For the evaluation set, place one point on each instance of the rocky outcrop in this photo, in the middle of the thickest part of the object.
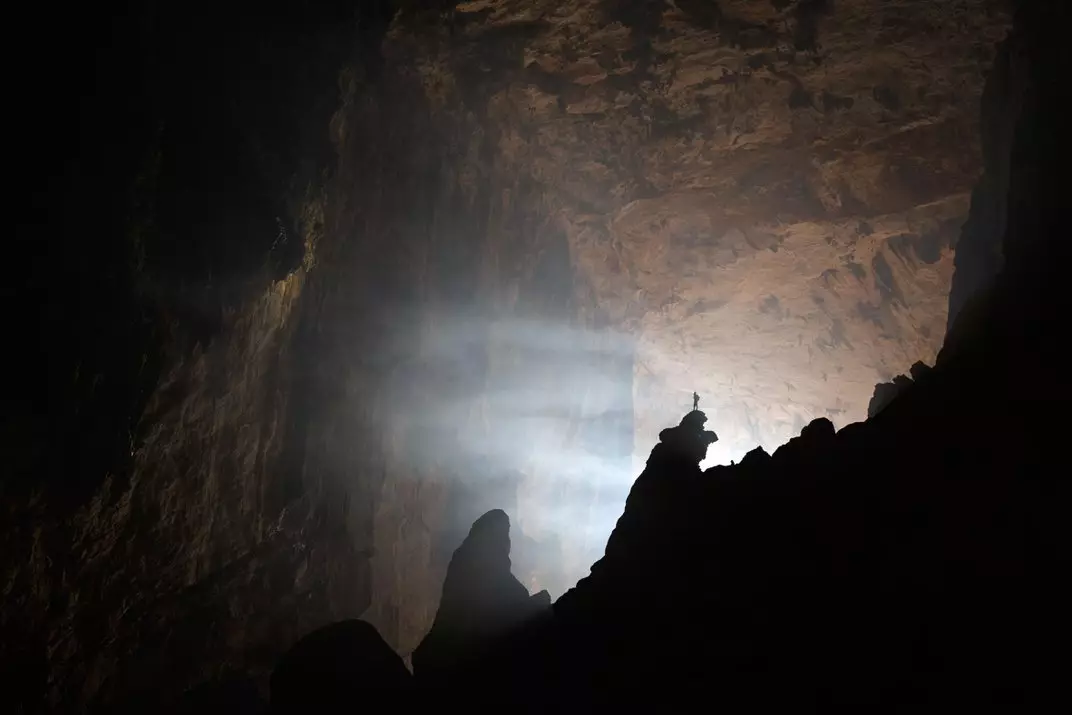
(886, 392)
(482, 600)
(335, 668)
(153, 532)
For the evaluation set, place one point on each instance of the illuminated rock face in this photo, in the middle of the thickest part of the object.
(766, 194)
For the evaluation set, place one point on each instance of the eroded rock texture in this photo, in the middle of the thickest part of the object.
(765, 193)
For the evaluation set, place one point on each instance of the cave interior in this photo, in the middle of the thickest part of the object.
(360, 321)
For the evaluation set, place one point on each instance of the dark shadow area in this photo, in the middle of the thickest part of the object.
(236, 696)
(335, 668)
(162, 153)
(23, 670)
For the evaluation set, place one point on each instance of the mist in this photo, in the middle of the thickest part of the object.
(553, 420)
(550, 433)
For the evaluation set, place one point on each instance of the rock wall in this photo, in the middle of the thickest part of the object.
(152, 531)
(198, 562)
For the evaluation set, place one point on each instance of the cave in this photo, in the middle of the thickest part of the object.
(319, 287)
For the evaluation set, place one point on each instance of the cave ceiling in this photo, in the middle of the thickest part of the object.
(766, 193)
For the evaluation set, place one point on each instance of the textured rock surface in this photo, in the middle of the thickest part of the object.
(765, 193)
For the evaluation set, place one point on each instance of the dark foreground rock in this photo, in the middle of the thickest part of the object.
(481, 600)
(334, 669)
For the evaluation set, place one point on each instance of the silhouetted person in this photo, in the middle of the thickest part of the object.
(481, 600)
(339, 668)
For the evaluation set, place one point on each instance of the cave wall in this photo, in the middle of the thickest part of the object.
(979, 255)
(765, 195)
(152, 535)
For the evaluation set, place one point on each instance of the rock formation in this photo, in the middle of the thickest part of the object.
(335, 668)
(885, 392)
(481, 601)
